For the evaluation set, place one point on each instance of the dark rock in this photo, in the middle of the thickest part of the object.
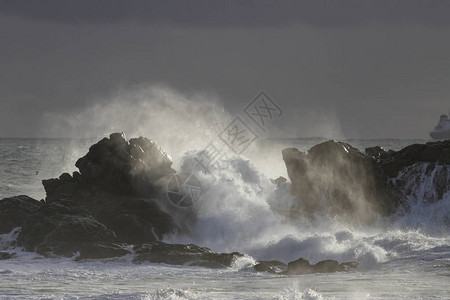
(302, 266)
(15, 211)
(272, 266)
(181, 254)
(138, 167)
(120, 184)
(336, 177)
(377, 152)
(430, 152)
(135, 220)
(424, 182)
(328, 266)
(444, 158)
(299, 267)
(55, 230)
(6, 255)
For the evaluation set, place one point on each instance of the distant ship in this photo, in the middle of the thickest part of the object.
(442, 129)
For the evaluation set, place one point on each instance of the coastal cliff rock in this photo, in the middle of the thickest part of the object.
(116, 201)
(116, 198)
(120, 183)
(338, 178)
(432, 152)
(15, 211)
(55, 229)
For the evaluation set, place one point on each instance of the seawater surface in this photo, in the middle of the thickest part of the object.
(404, 256)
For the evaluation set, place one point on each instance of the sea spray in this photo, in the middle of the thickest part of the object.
(240, 211)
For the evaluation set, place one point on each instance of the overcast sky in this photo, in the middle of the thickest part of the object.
(369, 69)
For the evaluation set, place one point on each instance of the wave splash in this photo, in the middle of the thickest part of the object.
(242, 210)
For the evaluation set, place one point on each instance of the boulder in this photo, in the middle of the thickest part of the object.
(338, 178)
(299, 267)
(57, 230)
(302, 266)
(121, 184)
(15, 211)
(138, 167)
(182, 254)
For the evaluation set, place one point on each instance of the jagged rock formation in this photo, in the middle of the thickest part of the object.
(120, 183)
(116, 198)
(393, 162)
(337, 178)
(15, 211)
(58, 230)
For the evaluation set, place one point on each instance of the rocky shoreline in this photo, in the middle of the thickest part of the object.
(113, 206)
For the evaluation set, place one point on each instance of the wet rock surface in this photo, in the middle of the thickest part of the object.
(114, 199)
(55, 229)
(337, 177)
(432, 152)
(15, 211)
(183, 254)
(302, 266)
(120, 184)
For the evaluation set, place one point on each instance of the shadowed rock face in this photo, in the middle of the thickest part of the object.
(302, 266)
(15, 211)
(181, 254)
(120, 184)
(138, 167)
(432, 152)
(337, 178)
(115, 199)
(55, 229)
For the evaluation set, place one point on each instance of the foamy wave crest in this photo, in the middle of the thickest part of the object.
(8, 240)
(243, 210)
(295, 293)
(171, 294)
(427, 191)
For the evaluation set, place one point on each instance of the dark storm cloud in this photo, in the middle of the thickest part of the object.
(366, 68)
(220, 13)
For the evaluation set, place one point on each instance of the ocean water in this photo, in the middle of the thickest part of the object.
(404, 256)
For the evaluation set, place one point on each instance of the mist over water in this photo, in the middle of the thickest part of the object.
(176, 122)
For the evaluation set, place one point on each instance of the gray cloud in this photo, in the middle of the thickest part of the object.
(233, 13)
(383, 72)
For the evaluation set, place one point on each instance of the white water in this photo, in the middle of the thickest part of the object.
(404, 256)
